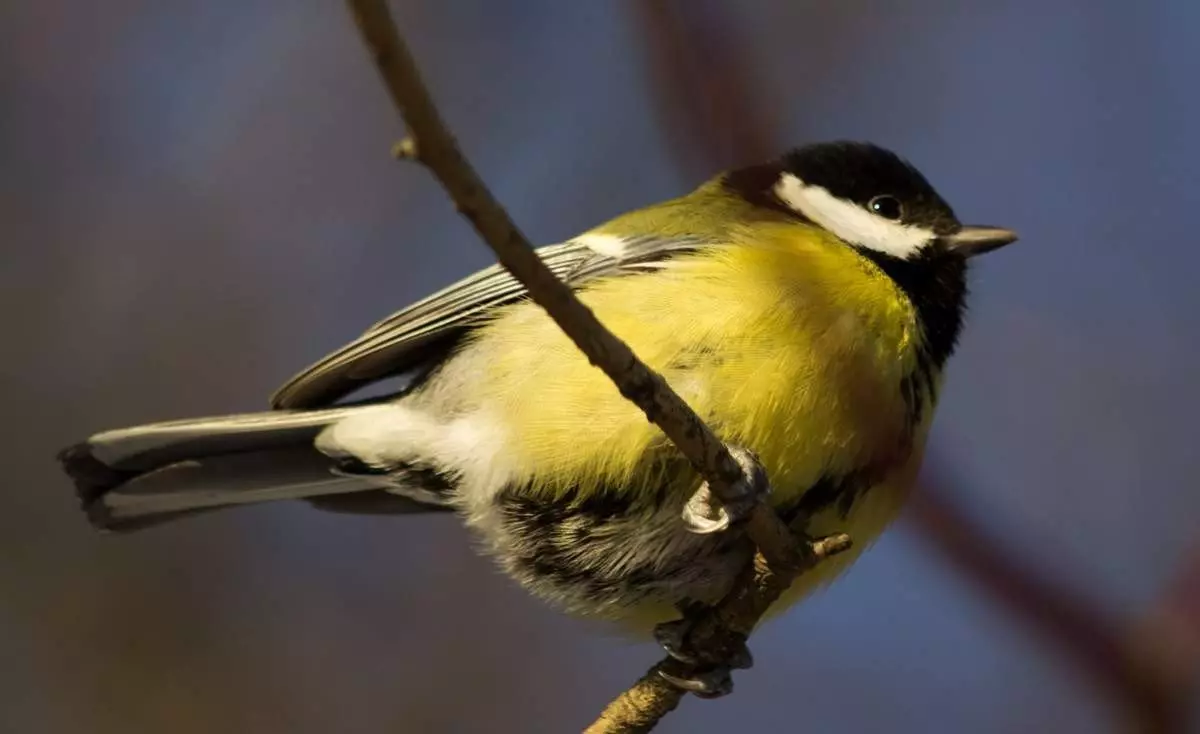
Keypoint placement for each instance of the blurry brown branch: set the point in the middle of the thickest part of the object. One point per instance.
(709, 107)
(1165, 642)
(432, 145)
(712, 633)
(705, 91)
(1063, 619)
(1174, 624)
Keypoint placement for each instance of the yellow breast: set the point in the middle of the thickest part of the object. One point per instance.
(791, 345)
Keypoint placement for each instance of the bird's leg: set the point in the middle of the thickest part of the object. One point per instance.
(672, 636)
(706, 675)
(704, 513)
(707, 672)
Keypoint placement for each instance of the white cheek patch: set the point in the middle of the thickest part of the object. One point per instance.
(849, 221)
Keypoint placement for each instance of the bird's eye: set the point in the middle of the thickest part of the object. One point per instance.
(887, 207)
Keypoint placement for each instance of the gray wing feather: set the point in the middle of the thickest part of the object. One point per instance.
(418, 337)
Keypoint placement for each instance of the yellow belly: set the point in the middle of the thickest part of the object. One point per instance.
(795, 349)
(867, 520)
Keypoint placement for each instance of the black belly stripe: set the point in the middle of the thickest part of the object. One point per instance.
(545, 528)
(536, 513)
(935, 283)
(917, 388)
(550, 533)
(828, 491)
(553, 535)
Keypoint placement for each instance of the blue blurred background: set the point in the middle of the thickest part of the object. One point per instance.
(198, 200)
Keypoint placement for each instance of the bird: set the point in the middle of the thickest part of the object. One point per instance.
(805, 307)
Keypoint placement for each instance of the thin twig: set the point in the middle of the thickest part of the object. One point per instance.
(641, 707)
(705, 92)
(1073, 624)
(433, 146)
(780, 553)
(1165, 643)
(715, 631)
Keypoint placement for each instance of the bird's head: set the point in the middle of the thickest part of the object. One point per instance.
(868, 197)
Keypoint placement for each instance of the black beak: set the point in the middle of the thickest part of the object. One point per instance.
(974, 240)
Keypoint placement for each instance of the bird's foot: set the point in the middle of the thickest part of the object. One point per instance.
(705, 673)
(704, 513)
(713, 682)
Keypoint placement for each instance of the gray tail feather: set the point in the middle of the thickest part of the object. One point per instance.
(137, 477)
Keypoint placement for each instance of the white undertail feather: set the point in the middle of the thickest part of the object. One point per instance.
(470, 446)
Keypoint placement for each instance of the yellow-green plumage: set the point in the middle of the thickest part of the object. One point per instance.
(783, 338)
(791, 343)
(804, 307)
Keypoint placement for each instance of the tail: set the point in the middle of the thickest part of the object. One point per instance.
(136, 477)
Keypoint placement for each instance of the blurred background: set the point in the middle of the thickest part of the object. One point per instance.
(197, 200)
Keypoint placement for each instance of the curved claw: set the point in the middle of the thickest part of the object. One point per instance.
(711, 683)
(671, 637)
(704, 514)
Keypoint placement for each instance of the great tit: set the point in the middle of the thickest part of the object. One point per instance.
(805, 308)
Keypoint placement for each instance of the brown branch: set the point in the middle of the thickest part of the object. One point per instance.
(641, 707)
(780, 553)
(432, 145)
(1165, 643)
(705, 91)
(1062, 618)
(715, 632)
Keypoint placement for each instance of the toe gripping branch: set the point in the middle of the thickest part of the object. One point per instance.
(704, 671)
(709, 642)
(704, 513)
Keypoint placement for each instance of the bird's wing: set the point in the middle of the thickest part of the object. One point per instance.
(417, 338)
